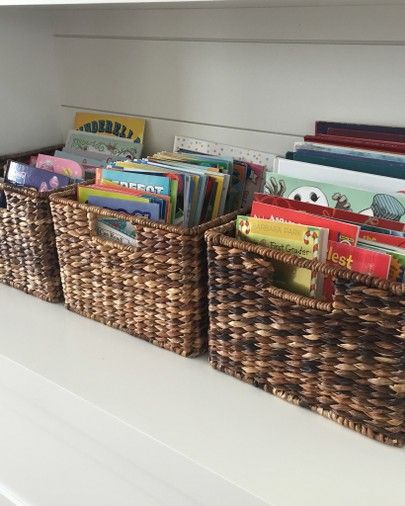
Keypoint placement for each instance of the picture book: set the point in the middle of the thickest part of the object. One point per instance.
(104, 144)
(338, 231)
(338, 176)
(397, 268)
(390, 240)
(62, 166)
(301, 240)
(254, 183)
(127, 127)
(378, 204)
(380, 224)
(115, 231)
(355, 142)
(350, 151)
(149, 210)
(360, 130)
(356, 259)
(85, 192)
(218, 149)
(81, 159)
(136, 180)
(31, 177)
(351, 162)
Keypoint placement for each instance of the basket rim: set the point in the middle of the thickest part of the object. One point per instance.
(216, 236)
(62, 197)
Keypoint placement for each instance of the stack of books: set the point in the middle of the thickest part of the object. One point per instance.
(338, 197)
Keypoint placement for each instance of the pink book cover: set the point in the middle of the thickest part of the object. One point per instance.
(63, 166)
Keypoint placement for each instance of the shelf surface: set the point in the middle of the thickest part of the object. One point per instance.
(198, 3)
(108, 418)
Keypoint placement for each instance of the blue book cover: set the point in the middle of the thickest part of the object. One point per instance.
(354, 163)
(138, 181)
(27, 176)
(150, 210)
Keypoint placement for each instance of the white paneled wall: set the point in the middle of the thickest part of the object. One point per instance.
(257, 77)
(29, 94)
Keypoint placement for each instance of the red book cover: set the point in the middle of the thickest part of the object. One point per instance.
(373, 263)
(388, 133)
(372, 144)
(366, 134)
(331, 212)
(338, 231)
(390, 240)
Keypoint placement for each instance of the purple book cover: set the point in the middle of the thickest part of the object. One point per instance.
(21, 174)
(149, 210)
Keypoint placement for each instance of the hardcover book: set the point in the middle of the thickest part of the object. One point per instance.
(356, 259)
(27, 176)
(338, 231)
(378, 204)
(104, 144)
(374, 144)
(149, 210)
(127, 127)
(337, 176)
(301, 240)
(363, 220)
(216, 148)
(359, 130)
(62, 166)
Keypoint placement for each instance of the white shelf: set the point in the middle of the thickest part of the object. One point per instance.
(91, 407)
(197, 3)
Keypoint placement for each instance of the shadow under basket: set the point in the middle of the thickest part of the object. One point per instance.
(343, 359)
(155, 289)
(28, 257)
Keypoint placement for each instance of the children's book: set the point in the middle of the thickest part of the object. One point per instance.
(378, 224)
(218, 149)
(295, 239)
(254, 183)
(127, 127)
(356, 142)
(397, 268)
(116, 230)
(338, 176)
(356, 259)
(387, 239)
(338, 231)
(378, 204)
(62, 166)
(27, 176)
(104, 144)
(359, 130)
(149, 210)
(135, 180)
(350, 162)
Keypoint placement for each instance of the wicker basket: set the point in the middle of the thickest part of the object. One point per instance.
(28, 258)
(156, 290)
(344, 359)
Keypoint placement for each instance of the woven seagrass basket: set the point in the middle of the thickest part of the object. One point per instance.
(343, 359)
(155, 290)
(28, 257)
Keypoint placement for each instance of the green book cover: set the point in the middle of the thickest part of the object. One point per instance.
(390, 206)
(301, 240)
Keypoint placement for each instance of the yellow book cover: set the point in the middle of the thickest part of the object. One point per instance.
(127, 127)
(301, 240)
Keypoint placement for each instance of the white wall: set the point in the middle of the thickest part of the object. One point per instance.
(29, 96)
(258, 77)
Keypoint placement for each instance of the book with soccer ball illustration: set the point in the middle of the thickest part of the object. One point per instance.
(305, 241)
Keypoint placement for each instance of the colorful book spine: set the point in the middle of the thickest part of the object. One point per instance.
(294, 239)
(338, 231)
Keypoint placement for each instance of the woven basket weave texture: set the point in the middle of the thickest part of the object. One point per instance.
(28, 257)
(155, 290)
(344, 359)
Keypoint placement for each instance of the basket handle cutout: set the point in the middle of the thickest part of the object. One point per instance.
(117, 233)
(301, 300)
